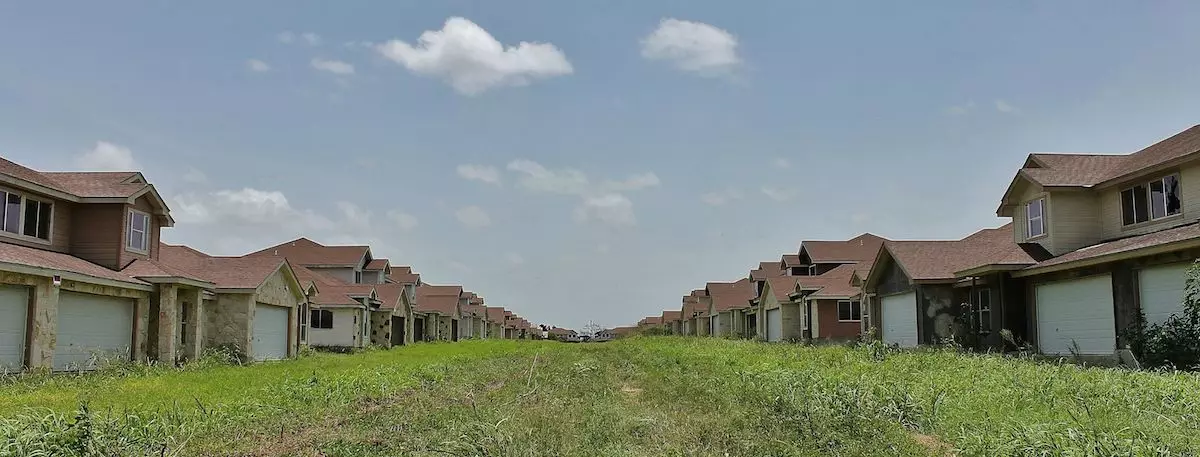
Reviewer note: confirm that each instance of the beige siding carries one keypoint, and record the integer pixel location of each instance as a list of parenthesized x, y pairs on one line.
[(126, 256), (1110, 204), (1019, 221), (1073, 220)]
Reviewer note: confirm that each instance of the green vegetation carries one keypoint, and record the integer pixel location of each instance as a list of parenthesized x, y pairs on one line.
[(635, 397)]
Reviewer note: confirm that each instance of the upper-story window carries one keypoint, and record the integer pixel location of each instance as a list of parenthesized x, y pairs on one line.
[(358, 277), (1035, 218), (1153, 200), (138, 238), (25, 216)]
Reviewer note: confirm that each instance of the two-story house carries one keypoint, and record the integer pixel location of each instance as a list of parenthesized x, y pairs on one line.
[(495, 321), (406, 321), (441, 306), (726, 307), (830, 300), (472, 323)]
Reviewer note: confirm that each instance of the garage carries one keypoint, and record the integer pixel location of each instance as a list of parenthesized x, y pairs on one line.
[(1076, 316), (1160, 291), (775, 324), (92, 328), (900, 319), (270, 332), (14, 308)]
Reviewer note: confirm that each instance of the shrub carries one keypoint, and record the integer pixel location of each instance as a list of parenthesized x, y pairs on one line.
[(1174, 343)]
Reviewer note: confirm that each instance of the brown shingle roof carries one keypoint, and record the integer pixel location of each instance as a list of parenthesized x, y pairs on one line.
[(1173, 235), (306, 252), (856, 249), (404, 275), (940, 260), (80, 184), (438, 299), (1073, 170), (389, 295), (781, 286), (37, 258), (223, 272), (1176, 146), (670, 316), (495, 314), (735, 295), (833, 283), (767, 270), (341, 294), (377, 264), (790, 260), (692, 307)]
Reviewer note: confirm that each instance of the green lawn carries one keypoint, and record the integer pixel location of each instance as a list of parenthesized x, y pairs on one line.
[(637, 397)]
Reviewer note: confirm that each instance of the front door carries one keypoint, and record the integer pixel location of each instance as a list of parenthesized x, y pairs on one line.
[(397, 330), (418, 329)]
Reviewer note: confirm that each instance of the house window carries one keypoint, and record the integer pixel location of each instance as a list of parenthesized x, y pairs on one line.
[(358, 277), (139, 227), (983, 310), (812, 270), (1035, 219), (321, 318), (25, 216), (1154, 200), (849, 311)]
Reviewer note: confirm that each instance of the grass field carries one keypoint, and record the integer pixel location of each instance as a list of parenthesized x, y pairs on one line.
[(637, 397)]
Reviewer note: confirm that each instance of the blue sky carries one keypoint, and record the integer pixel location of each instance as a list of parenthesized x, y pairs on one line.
[(629, 153)]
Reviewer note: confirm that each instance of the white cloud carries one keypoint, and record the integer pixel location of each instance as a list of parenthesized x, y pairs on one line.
[(195, 176), (612, 209), (473, 217), (1003, 107), (107, 157), (721, 197), (243, 208), (336, 67), (481, 173), (604, 201), (403, 220), (257, 66), (959, 110), (782, 163), (286, 37), (311, 38), (515, 258), (779, 195), (693, 46), (468, 58)]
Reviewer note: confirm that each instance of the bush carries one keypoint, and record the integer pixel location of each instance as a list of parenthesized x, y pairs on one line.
[(1174, 343)]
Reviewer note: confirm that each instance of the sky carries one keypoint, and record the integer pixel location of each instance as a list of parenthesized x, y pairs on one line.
[(585, 162)]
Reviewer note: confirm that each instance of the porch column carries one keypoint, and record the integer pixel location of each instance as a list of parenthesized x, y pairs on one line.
[(193, 333), (44, 332), (168, 322), (141, 328)]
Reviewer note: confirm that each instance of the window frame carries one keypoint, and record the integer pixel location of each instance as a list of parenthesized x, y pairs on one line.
[(1041, 218), (145, 233), (980, 310), (1148, 193), (358, 276), (317, 319), (851, 304), (21, 219)]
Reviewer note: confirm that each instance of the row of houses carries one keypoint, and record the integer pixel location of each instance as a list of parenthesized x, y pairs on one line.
[(85, 279), (1094, 244)]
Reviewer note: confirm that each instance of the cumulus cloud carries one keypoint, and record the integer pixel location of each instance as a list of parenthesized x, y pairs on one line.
[(603, 201), (473, 217), (472, 61), (722, 197), (107, 156), (257, 66), (611, 209), (402, 219), (288, 37), (482, 173), (336, 67), (694, 47), (778, 194), (311, 38)]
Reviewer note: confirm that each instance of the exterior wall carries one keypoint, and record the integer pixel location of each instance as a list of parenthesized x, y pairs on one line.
[(381, 328), (280, 290), (371, 277), (61, 225), (791, 316), (96, 234), (344, 274), (445, 326), (1073, 220), (125, 256), (892, 281), (1110, 204), (724, 324), (346, 331), (830, 327), (938, 311), (228, 323)]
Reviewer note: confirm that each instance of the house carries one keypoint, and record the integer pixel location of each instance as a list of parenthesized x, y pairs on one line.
[(726, 307), (414, 321), (782, 315), (918, 296), (340, 314), (830, 297), (495, 321), (257, 306), (562, 334), (510, 325), (672, 322), (758, 279), (68, 299), (473, 323), (441, 306), (694, 313)]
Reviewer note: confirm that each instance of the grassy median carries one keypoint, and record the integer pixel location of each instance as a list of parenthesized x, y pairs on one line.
[(636, 397)]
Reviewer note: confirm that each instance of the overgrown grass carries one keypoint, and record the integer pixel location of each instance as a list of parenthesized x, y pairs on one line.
[(635, 397)]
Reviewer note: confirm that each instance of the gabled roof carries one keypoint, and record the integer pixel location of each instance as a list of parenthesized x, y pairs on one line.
[(389, 295), (495, 314), (782, 286), (438, 299), (857, 249), (377, 265), (943, 260), (222, 272), (308, 253), (70, 267), (735, 295), (692, 307), (403, 275), (1170, 239), (834, 283), (766, 270), (348, 294), (790, 260), (87, 186), (670, 316)]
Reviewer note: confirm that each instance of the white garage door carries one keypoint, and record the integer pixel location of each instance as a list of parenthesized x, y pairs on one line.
[(774, 324), (270, 332), (1076, 314), (1161, 293), (14, 305), (900, 319), (91, 329)]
